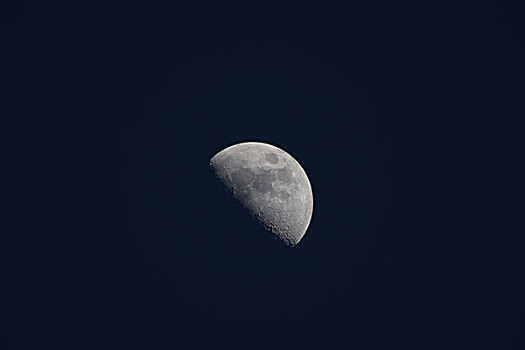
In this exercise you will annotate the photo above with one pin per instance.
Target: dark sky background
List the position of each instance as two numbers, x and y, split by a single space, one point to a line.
406 116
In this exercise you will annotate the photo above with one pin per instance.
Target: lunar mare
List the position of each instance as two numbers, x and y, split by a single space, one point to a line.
271 184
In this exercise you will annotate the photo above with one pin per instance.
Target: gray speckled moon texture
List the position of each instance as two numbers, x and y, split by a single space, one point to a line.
270 184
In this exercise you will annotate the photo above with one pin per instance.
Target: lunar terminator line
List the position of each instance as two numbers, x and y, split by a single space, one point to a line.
271 184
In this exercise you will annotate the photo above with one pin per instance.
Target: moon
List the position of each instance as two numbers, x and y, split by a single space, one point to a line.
270 184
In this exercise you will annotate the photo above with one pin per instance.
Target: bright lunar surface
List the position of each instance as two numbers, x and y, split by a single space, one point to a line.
270 184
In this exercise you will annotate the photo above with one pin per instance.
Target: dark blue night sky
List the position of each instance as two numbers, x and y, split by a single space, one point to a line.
407 117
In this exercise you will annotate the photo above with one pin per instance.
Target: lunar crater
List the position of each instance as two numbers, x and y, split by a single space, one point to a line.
272 158
242 177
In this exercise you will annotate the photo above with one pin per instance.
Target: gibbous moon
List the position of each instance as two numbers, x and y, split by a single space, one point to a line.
270 184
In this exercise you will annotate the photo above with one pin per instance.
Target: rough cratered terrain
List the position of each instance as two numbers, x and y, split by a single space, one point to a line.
270 184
